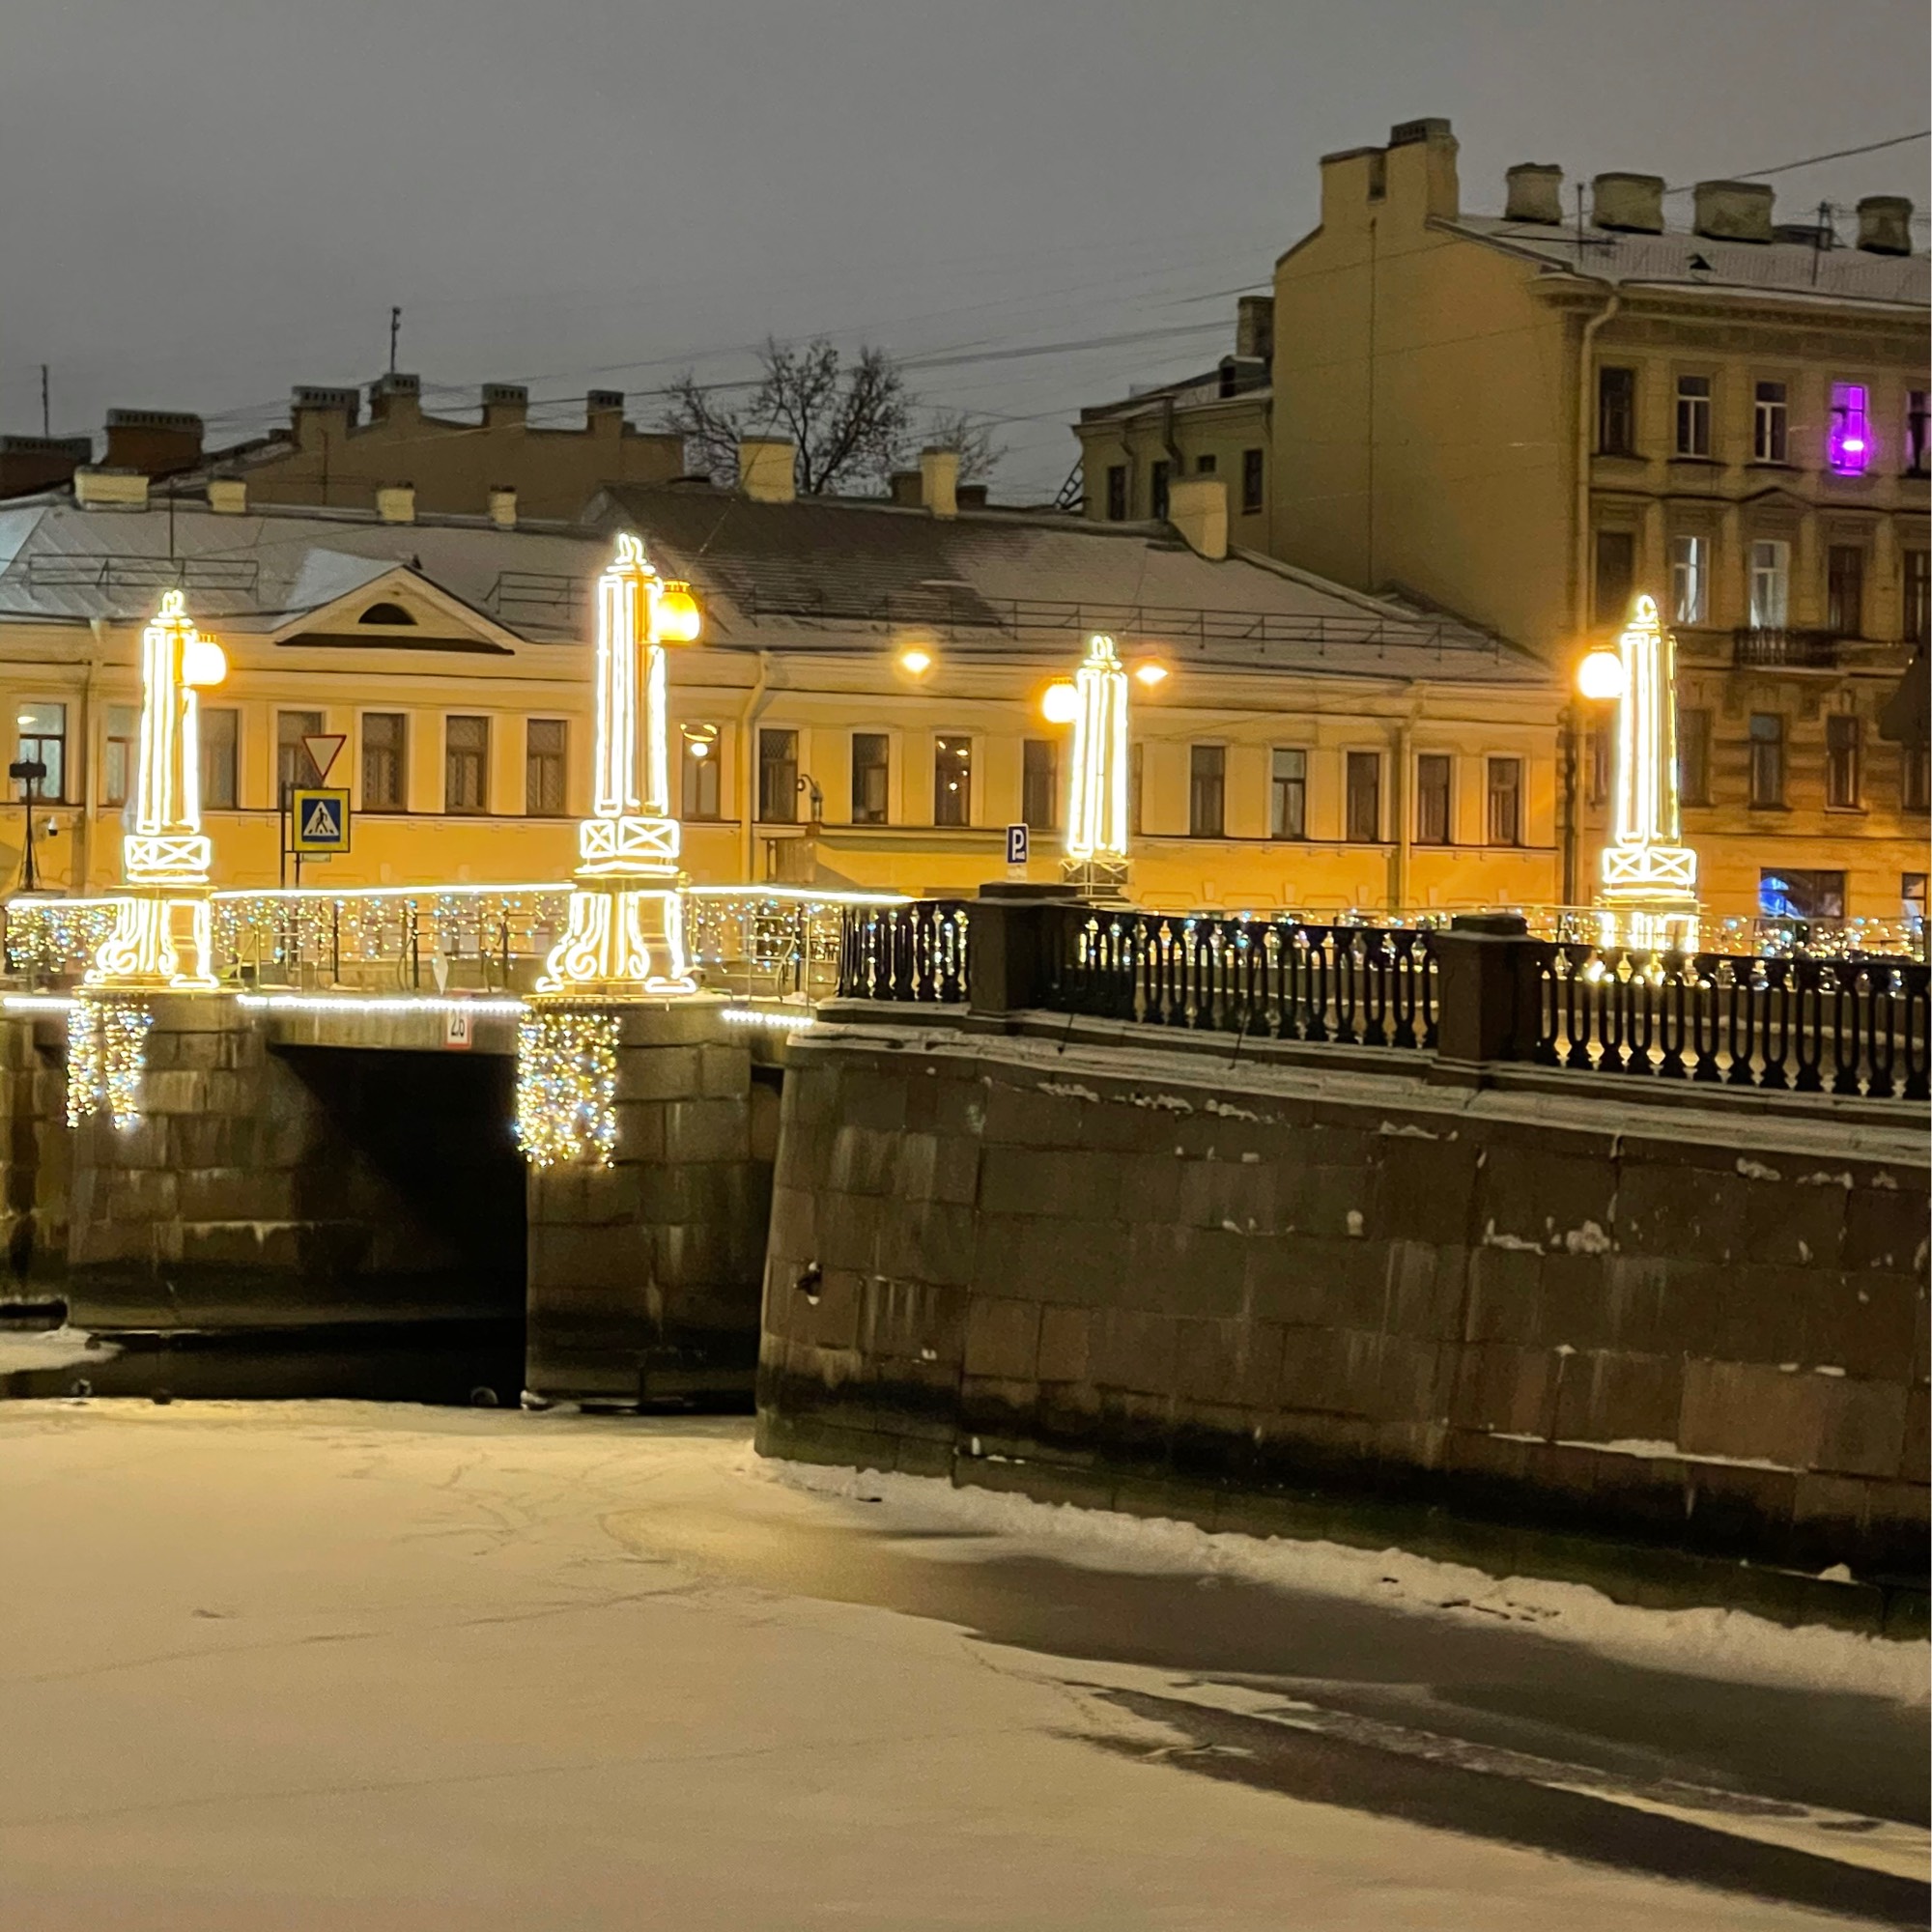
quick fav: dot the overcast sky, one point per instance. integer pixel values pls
(207, 201)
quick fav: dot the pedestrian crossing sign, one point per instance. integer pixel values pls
(318, 818)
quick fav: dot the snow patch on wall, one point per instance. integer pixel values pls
(1516, 1243)
(1067, 1090)
(1588, 1239)
(1755, 1170)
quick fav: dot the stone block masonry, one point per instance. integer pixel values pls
(1146, 1274)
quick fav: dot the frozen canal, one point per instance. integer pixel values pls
(345, 1666)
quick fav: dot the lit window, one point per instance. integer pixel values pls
(1432, 798)
(1770, 424)
(544, 762)
(466, 764)
(1206, 791)
(1912, 898)
(1792, 894)
(43, 742)
(1505, 800)
(1848, 449)
(1689, 578)
(117, 768)
(1693, 415)
(701, 781)
(871, 771)
(952, 781)
(1842, 748)
(1290, 819)
(1766, 758)
(1770, 583)
(383, 768)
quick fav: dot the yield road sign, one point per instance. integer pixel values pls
(318, 818)
(324, 747)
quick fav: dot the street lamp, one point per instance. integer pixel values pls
(30, 772)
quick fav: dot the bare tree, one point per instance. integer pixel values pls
(852, 423)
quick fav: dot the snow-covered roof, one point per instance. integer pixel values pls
(1674, 258)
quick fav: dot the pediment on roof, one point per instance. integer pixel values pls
(393, 607)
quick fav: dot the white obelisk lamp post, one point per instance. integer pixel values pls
(160, 939)
(626, 913)
(1095, 705)
(1647, 895)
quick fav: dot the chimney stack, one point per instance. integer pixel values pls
(155, 442)
(396, 502)
(1196, 506)
(939, 481)
(317, 413)
(1535, 193)
(1632, 203)
(1885, 224)
(1423, 152)
(604, 412)
(504, 403)
(227, 495)
(33, 463)
(395, 398)
(503, 507)
(106, 488)
(905, 486)
(1254, 328)
(766, 469)
(1732, 211)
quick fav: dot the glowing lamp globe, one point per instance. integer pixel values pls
(1150, 674)
(1060, 703)
(678, 622)
(204, 664)
(916, 662)
(1600, 676)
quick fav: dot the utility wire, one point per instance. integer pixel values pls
(1812, 161)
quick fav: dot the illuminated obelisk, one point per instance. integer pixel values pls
(161, 938)
(626, 914)
(1096, 807)
(1648, 895)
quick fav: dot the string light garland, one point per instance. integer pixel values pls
(106, 1054)
(567, 1085)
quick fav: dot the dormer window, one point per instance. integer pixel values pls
(386, 613)
(1849, 450)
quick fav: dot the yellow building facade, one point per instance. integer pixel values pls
(863, 710)
(1526, 418)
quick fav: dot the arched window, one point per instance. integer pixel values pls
(386, 613)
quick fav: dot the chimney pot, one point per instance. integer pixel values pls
(504, 403)
(604, 411)
(503, 507)
(105, 488)
(1254, 328)
(906, 485)
(939, 481)
(1727, 210)
(158, 441)
(1634, 203)
(766, 469)
(1885, 224)
(227, 495)
(1196, 506)
(972, 495)
(1535, 193)
(395, 396)
(31, 463)
(396, 502)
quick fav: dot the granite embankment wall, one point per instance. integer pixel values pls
(1278, 1296)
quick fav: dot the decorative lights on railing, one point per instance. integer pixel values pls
(567, 1085)
(106, 1043)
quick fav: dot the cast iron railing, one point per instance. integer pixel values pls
(1805, 1026)
(911, 952)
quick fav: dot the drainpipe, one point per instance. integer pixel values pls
(1579, 593)
(83, 824)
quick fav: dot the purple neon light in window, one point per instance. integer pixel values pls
(1850, 451)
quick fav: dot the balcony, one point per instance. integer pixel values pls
(1779, 648)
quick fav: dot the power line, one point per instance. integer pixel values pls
(1812, 161)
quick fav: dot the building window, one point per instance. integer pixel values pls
(1616, 575)
(117, 768)
(871, 773)
(293, 764)
(778, 777)
(1136, 771)
(1789, 895)
(384, 771)
(1616, 412)
(1597, 763)
(701, 781)
(1766, 758)
(44, 739)
(1432, 798)
(1770, 583)
(1505, 800)
(1365, 798)
(221, 760)
(1843, 748)
(952, 781)
(1206, 465)
(1915, 600)
(1848, 447)
(1770, 424)
(1116, 493)
(1693, 757)
(1845, 590)
(466, 764)
(1912, 898)
(1039, 784)
(544, 747)
(1693, 415)
(1915, 776)
(1289, 816)
(1253, 475)
(1157, 476)
(1208, 791)
(1918, 434)
(1690, 580)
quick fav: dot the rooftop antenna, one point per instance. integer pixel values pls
(46, 428)
(1819, 243)
(395, 329)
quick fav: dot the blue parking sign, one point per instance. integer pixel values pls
(1016, 844)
